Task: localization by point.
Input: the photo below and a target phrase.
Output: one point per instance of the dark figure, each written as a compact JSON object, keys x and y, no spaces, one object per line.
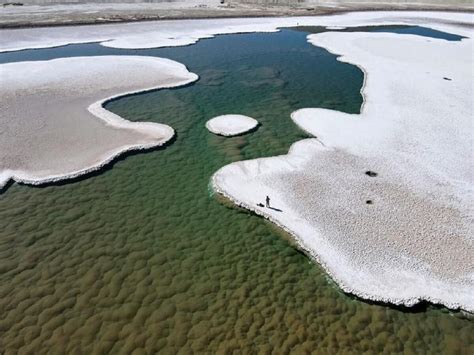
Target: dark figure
{"x":267,"y":201}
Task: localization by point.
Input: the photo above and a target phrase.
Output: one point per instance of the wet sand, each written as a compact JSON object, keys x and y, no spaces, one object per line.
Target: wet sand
{"x":374,"y":198}
{"x":53,"y":123}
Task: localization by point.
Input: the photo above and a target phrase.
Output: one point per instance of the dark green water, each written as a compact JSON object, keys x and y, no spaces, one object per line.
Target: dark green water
{"x":142,"y":256}
{"x":398,"y":29}
{"x":200,"y":56}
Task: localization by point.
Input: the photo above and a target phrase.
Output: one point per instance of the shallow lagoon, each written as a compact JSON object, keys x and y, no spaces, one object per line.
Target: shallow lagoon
{"x":144,"y":256}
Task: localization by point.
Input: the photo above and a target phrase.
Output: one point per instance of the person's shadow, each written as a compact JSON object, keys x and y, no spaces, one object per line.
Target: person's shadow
{"x":275,"y":209}
{"x":272,"y":208}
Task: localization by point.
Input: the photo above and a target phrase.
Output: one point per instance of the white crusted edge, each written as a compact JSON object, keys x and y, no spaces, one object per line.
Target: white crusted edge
{"x":172,"y":33}
{"x":222,"y":132}
{"x":407,"y":302}
{"x":110,"y":118}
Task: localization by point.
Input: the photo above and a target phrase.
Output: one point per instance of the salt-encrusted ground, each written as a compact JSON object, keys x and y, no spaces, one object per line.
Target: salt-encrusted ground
{"x":406,"y":233}
{"x":53,"y":125}
{"x":231,"y":125}
{"x":184,"y":32}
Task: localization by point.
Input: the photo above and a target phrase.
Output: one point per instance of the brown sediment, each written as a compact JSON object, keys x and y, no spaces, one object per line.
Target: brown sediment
{"x":51,"y":19}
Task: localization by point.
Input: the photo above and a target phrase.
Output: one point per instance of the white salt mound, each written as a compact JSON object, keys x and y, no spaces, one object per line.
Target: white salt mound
{"x":231,"y":125}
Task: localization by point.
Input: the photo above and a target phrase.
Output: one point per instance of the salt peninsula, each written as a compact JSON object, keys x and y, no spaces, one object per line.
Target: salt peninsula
{"x":231,"y":125}
{"x":54,"y":125}
{"x":382,"y":199}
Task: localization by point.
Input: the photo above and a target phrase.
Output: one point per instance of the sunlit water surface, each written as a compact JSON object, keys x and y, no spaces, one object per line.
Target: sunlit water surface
{"x":143,"y":257}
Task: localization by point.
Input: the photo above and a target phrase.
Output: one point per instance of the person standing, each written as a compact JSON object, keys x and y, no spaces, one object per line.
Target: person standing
{"x":267,"y":201}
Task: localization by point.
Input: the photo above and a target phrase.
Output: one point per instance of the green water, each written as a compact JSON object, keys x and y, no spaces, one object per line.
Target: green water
{"x":398,"y":29}
{"x":142,"y":257}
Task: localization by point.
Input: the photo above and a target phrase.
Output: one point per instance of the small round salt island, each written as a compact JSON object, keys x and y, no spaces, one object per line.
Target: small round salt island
{"x":231,"y":125}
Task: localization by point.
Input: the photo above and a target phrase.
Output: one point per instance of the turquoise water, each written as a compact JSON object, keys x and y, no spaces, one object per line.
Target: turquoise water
{"x":143,"y":257}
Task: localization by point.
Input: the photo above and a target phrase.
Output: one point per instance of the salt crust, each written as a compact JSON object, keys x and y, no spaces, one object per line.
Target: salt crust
{"x":415,"y":129}
{"x":185,"y":32}
{"x":231,"y":125}
{"x":48,"y":134}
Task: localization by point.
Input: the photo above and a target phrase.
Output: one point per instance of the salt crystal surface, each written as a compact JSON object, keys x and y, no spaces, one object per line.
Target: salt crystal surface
{"x":413,"y":241}
{"x":165,"y":33}
{"x":53,"y":124}
{"x":231,"y":125}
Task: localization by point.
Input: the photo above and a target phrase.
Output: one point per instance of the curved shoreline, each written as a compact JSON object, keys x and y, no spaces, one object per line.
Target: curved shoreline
{"x":316,"y":258}
{"x":258,"y":172}
{"x":159,"y":134}
{"x":313,"y":254}
{"x":96,"y":109}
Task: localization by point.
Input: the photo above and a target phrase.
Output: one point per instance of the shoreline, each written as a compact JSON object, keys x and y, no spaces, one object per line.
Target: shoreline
{"x":311,"y":254}
{"x":270,"y":12}
{"x":173,"y":33}
{"x":263,"y":175}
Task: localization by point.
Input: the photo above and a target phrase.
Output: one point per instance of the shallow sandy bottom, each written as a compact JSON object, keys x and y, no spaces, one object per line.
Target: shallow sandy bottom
{"x":405,"y":234}
{"x":53,"y":123}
